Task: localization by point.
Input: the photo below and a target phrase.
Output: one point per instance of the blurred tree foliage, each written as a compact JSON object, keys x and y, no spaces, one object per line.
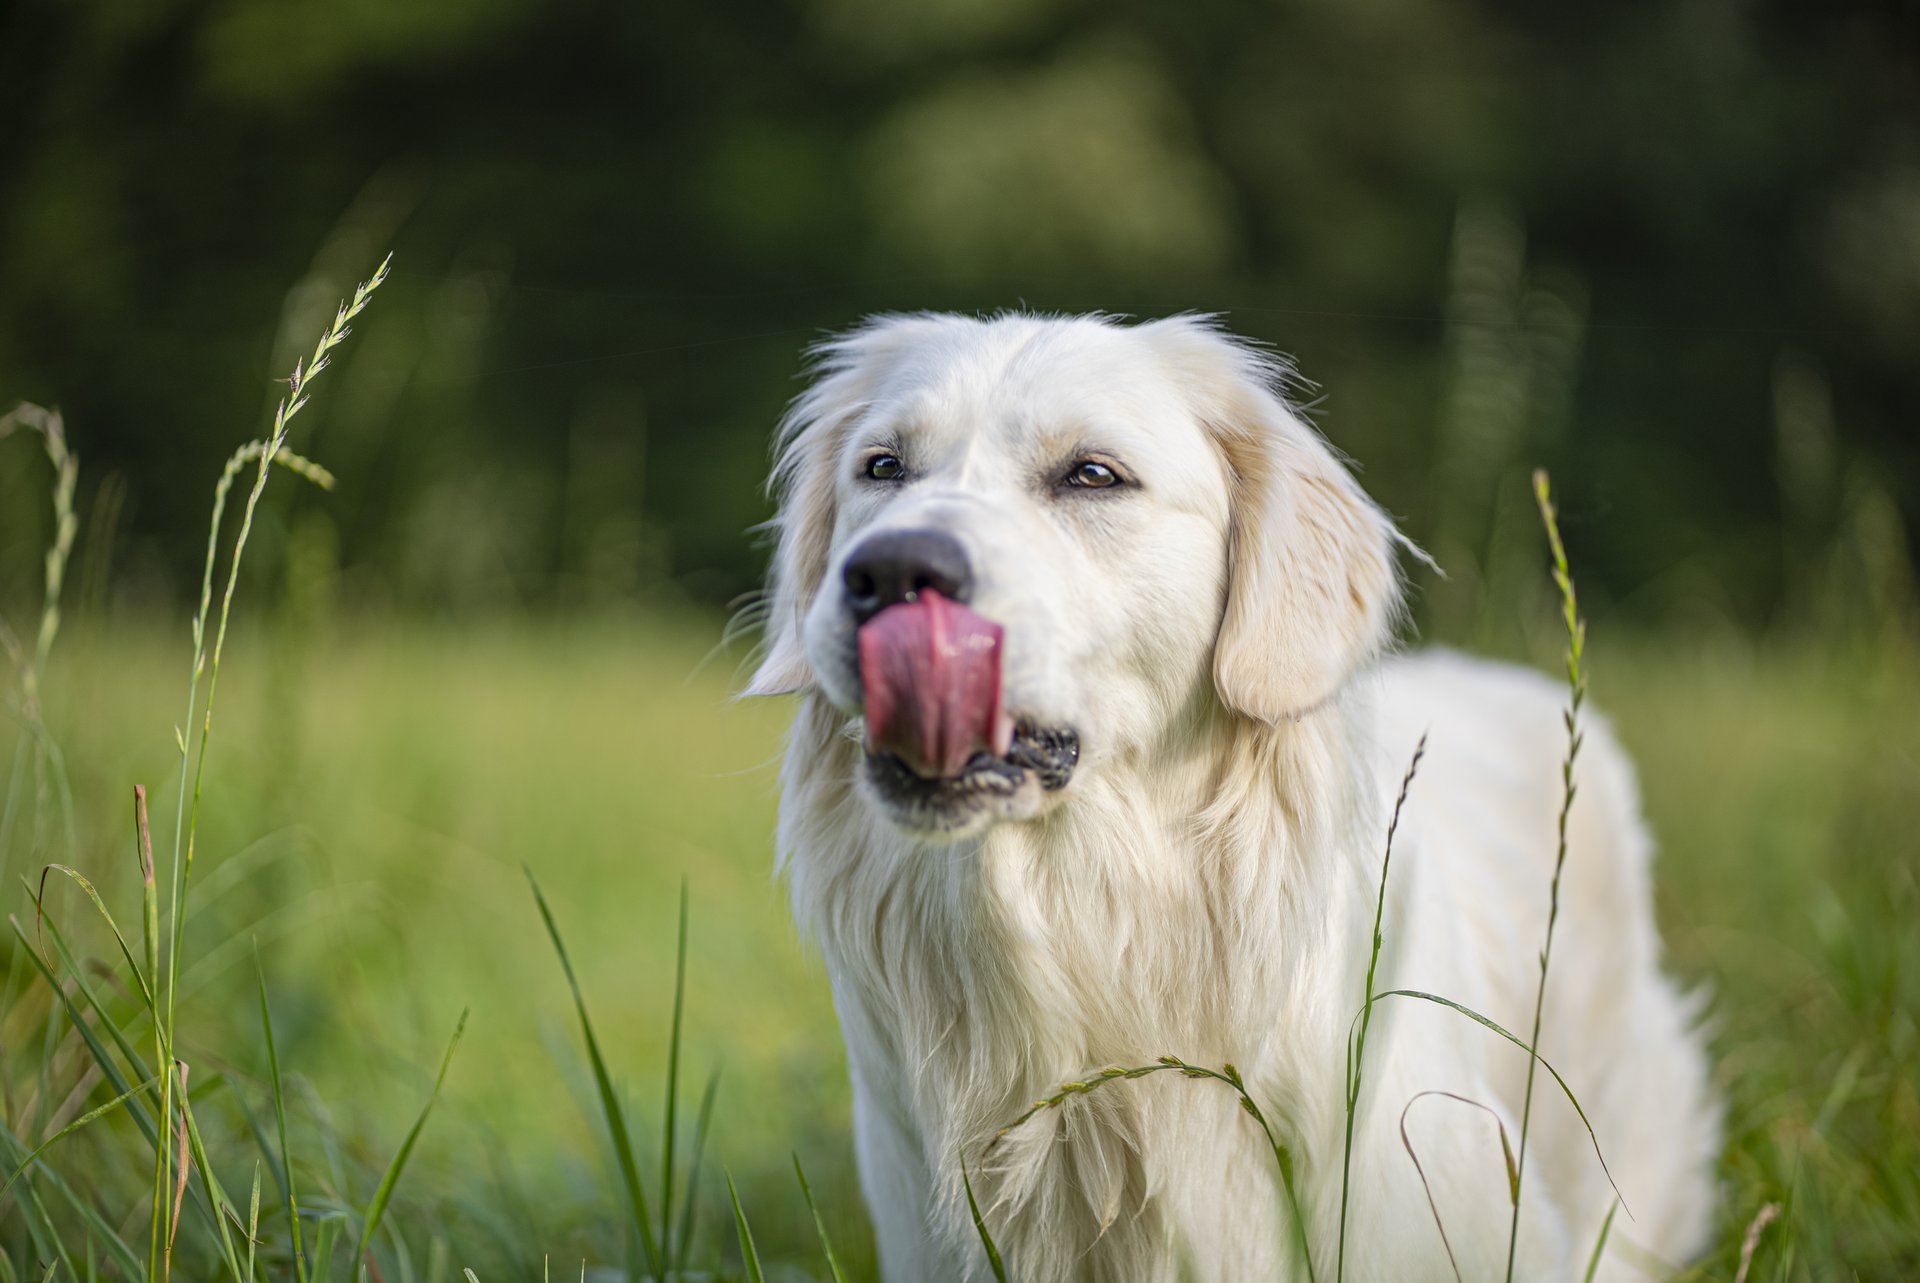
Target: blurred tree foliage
{"x":1670,"y":248}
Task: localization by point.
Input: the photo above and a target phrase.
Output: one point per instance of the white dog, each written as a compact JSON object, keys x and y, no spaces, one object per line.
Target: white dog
{"x":1093,"y":764}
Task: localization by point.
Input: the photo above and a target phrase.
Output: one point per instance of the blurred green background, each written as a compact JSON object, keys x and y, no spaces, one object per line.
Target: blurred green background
{"x":1671,"y":251}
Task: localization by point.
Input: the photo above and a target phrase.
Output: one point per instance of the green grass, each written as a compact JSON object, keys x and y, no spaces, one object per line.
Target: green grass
{"x":372,"y":796}
{"x":378,"y":785}
{"x":375,"y":787}
{"x":1785,"y":790}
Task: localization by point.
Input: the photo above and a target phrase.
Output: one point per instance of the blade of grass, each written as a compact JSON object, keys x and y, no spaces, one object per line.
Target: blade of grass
{"x":220,"y":1206}
{"x":324,"y":1237}
{"x":378,"y":1207}
{"x":108,"y":1065}
{"x":49,"y":932}
{"x":819,"y":1225}
{"x":206,"y":1210}
{"x":1600,"y":1245}
{"x":40,"y":1227}
{"x":609,"y":1099}
{"x":691,"y":1202}
{"x":261,"y":1143}
{"x":149,"y":899}
{"x":68,"y":1130}
{"x":280,"y":1116}
{"x":253,"y":1220}
{"x":43,"y":1086}
{"x":101,"y":1231}
{"x":402,"y":1259}
{"x":150,"y":1128}
{"x":749,"y":1257}
{"x":337,"y":1176}
{"x":150,"y":935}
{"x":1544,"y":1063}
{"x":673,"y":1083}
{"x":1406,"y":1141}
{"x":146,"y":994}
{"x":992,"y":1249}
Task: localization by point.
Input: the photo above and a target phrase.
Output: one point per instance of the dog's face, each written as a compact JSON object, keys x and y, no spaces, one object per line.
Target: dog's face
{"x":1020,"y":550}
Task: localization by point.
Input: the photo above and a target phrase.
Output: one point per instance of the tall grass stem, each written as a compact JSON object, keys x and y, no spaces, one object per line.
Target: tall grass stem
{"x":1576,"y":694}
{"x":1358,"y":1055}
{"x":186,"y":816}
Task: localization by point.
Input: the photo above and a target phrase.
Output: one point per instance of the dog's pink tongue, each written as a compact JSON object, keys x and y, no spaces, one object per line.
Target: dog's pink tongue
{"x":931,"y":671}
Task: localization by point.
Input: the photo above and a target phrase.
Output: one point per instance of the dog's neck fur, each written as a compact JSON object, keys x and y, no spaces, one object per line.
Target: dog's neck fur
{"x":987,"y":972}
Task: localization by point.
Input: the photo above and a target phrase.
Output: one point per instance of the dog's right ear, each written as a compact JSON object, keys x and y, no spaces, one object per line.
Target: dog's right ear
{"x":847,"y":371}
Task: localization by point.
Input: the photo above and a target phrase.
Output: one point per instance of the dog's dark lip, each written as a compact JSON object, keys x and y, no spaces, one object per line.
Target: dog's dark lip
{"x":1049,"y":753}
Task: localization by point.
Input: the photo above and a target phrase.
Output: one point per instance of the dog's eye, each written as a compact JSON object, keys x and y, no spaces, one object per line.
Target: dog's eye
{"x":885,"y":467}
{"x":1091,"y":475}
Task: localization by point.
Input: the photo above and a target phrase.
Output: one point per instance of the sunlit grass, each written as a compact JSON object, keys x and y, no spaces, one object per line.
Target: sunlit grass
{"x":372,"y":825}
{"x":373,"y":820}
{"x":381,"y":783}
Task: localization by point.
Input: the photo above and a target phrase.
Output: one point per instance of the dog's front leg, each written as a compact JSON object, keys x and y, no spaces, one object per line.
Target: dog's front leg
{"x":901,"y":1186}
{"x":899,"y":1192}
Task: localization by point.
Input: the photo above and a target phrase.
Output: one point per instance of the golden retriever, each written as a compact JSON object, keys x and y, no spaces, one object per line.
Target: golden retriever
{"x":1093,"y":762}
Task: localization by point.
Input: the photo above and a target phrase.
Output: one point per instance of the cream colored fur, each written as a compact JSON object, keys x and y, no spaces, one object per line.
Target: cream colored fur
{"x":1204,"y":886}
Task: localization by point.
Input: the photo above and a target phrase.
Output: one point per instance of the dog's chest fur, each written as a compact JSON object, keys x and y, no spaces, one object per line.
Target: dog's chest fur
{"x":974,"y":979}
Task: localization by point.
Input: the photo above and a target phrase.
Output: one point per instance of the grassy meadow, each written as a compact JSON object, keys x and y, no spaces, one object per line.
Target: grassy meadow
{"x":375,"y":786}
{"x":373,"y":796}
{"x":1662,"y":255}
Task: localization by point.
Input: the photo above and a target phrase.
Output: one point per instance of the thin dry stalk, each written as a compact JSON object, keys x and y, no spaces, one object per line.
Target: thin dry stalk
{"x":180,"y":1184}
{"x":1750,"y":1243}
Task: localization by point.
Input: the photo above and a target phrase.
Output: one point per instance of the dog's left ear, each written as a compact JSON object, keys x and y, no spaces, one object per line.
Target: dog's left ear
{"x":1313,"y":591}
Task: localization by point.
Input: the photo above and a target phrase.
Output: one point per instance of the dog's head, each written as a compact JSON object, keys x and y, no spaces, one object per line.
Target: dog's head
{"x":1024,"y":548}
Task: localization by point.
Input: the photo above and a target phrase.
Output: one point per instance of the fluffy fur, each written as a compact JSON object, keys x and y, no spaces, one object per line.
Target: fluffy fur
{"x":1204,"y":886}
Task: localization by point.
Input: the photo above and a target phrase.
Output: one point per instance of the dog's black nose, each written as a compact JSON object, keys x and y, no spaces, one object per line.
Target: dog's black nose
{"x":897,"y":565}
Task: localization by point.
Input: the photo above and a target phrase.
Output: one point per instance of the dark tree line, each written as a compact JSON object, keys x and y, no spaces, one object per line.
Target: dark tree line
{"x":1670,"y":249}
